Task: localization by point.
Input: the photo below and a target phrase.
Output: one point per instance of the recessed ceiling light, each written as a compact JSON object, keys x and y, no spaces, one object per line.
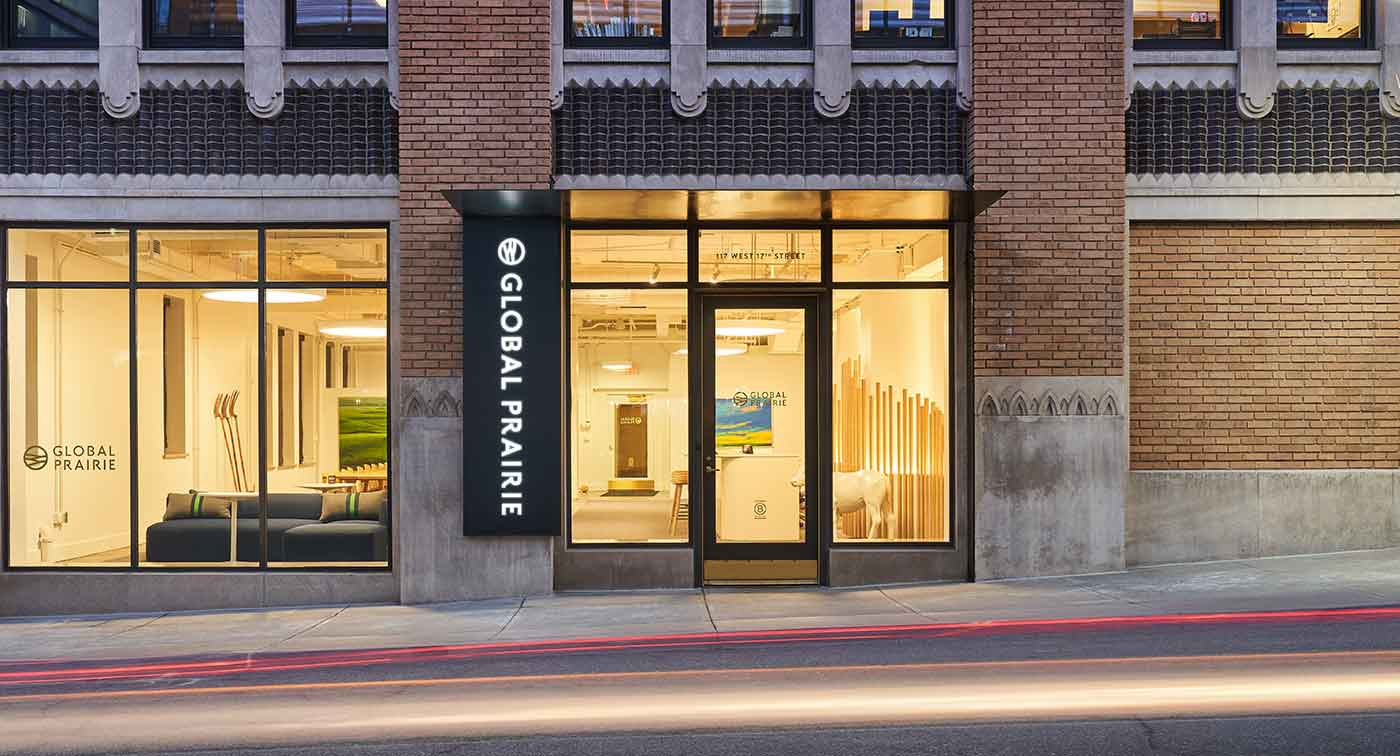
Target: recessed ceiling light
{"x":368,"y":328}
{"x":617,"y":367}
{"x":748,"y":328}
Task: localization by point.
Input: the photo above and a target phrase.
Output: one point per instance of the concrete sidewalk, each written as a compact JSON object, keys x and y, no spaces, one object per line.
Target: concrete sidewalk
{"x":1363,"y":578}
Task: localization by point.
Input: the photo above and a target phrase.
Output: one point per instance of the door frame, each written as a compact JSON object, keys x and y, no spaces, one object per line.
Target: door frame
{"x":815,"y":304}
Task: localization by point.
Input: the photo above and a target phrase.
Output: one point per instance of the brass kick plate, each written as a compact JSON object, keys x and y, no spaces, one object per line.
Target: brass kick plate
{"x":761,"y":570}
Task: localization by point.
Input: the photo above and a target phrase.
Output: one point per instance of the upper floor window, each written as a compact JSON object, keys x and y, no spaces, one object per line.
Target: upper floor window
{"x":338,"y":23}
{"x":900,"y":23}
{"x":48,"y":23}
{"x":759,"y":23}
{"x":1179,"y":24}
{"x":614,"y":23}
{"x":194,"y":23}
{"x":1323,"y":23}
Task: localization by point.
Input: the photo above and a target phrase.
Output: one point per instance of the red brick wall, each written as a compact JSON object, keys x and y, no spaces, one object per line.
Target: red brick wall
{"x":1265,"y":346}
{"x":474,"y":114}
{"x":1047,"y":127}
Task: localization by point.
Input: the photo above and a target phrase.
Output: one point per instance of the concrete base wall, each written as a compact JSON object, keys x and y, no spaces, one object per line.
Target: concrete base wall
{"x":87,"y":592}
{"x":1051,"y":474}
{"x":1238,"y":514}
{"x":849,"y":567}
{"x":600,"y":569}
{"x":434,"y":561}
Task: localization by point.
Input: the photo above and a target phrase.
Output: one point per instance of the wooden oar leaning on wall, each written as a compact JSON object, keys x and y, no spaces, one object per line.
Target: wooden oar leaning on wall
{"x":902,"y":435}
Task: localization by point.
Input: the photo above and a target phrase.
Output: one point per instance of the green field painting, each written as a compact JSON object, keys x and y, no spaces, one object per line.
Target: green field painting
{"x":364,"y":431}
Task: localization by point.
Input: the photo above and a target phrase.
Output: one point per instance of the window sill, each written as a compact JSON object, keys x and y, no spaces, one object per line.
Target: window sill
{"x":190,"y":57}
{"x":322,"y":56}
{"x":760,"y":56}
{"x":336,"y":55}
{"x":616,"y":55}
{"x":907,"y":55}
{"x":1329,"y":57}
{"x":48,"y":57}
{"x":1185,"y":57}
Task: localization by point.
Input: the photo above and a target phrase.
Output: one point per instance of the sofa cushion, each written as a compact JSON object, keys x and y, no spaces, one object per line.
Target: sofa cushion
{"x":206,"y":540}
{"x":351,"y":506}
{"x":180,"y":506}
{"x":340,"y":541}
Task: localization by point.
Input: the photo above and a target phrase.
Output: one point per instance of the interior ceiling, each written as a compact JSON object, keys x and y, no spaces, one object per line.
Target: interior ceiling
{"x":845,"y":205}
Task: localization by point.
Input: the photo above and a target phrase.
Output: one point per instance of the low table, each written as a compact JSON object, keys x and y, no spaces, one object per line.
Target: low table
{"x":325,"y":487}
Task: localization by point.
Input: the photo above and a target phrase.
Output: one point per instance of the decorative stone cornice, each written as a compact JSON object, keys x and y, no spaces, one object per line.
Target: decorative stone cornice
{"x":1308,"y":183}
{"x":963,"y":16}
{"x":185,"y":185}
{"x":689,"y":34}
{"x":1388,"y":14}
{"x":118,"y":49}
{"x":264,"y":39}
{"x":556,"y":54}
{"x":1015,"y":403}
{"x":393,"y":63}
{"x":831,"y":34}
{"x":1258,"y":67}
{"x":430,"y":397}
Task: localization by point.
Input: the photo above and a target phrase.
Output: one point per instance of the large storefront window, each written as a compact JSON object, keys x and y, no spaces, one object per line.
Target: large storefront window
{"x":629,"y":373}
{"x":697,"y":350}
{"x":180,"y":347}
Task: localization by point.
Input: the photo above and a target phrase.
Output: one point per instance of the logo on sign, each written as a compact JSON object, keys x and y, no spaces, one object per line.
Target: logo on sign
{"x":760,"y":509}
{"x":511,"y":251}
{"x":36,"y":458}
{"x":760,"y":398}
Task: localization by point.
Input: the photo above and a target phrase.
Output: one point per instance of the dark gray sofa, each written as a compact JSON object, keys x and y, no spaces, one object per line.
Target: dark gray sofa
{"x":295,"y":533}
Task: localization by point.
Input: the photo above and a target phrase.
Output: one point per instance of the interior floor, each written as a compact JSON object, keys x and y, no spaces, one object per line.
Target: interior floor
{"x":627,"y":518}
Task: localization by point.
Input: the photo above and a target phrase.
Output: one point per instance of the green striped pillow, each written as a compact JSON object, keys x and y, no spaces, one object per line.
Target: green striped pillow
{"x":191,"y":505}
{"x":351,"y":506}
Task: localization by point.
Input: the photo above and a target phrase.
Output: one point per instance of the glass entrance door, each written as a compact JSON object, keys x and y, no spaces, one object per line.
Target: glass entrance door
{"x":758,"y":439}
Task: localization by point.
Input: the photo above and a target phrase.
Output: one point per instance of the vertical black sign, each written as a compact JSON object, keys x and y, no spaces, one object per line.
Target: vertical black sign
{"x":512,"y":363}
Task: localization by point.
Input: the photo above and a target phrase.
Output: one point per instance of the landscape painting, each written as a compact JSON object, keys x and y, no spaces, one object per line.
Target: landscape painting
{"x":364,"y":431}
{"x":743,"y":425}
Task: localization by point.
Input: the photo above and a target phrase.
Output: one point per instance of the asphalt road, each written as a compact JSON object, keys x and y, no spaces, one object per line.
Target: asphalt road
{"x":1308,"y":683}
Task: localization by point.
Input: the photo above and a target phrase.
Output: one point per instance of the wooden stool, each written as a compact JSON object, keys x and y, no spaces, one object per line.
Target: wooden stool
{"x":679,"y":511}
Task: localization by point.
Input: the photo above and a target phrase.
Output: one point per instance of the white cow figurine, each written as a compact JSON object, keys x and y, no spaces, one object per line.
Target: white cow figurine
{"x":852,"y":490}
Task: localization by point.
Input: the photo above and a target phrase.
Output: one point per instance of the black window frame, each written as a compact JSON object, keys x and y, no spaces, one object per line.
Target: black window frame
{"x":1366,"y":41}
{"x":9,"y":39}
{"x":133,"y":286}
{"x":716,"y":42}
{"x":1226,"y":41}
{"x":312,"y":41}
{"x":155,"y":41}
{"x":908,"y":43}
{"x":634,"y":43}
{"x":696,"y":288}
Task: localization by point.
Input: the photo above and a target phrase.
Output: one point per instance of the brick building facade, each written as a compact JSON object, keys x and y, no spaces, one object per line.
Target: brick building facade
{"x":1057,"y":296}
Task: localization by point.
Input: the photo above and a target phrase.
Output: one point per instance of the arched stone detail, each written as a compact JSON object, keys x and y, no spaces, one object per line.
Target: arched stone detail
{"x":446,"y":406}
{"x":1048,"y":406}
{"x":1018,"y":406}
{"x":1108,"y":405}
{"x":988,"y":406}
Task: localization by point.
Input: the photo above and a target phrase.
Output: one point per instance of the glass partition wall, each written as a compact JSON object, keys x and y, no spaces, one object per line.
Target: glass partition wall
{"x":196,"y":397}
{"x":879,"y":267}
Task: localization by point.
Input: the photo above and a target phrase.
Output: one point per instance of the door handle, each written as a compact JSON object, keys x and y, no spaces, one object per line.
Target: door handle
{"x":711,"y":469}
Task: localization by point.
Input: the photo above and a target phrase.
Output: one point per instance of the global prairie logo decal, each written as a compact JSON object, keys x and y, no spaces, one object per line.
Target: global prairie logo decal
{"x":71,"y":458}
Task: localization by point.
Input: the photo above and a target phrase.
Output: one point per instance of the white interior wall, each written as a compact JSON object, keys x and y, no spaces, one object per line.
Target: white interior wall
{"x":82,"y":374}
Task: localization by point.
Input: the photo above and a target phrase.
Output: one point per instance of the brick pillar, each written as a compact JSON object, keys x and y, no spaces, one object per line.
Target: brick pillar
{"x":474,"y":113}
{"x":1048,"y":306}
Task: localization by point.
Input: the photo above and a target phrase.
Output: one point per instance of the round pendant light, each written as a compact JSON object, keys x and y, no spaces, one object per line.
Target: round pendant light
{"x":274,"y":296}
{"x":365,"y":328}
